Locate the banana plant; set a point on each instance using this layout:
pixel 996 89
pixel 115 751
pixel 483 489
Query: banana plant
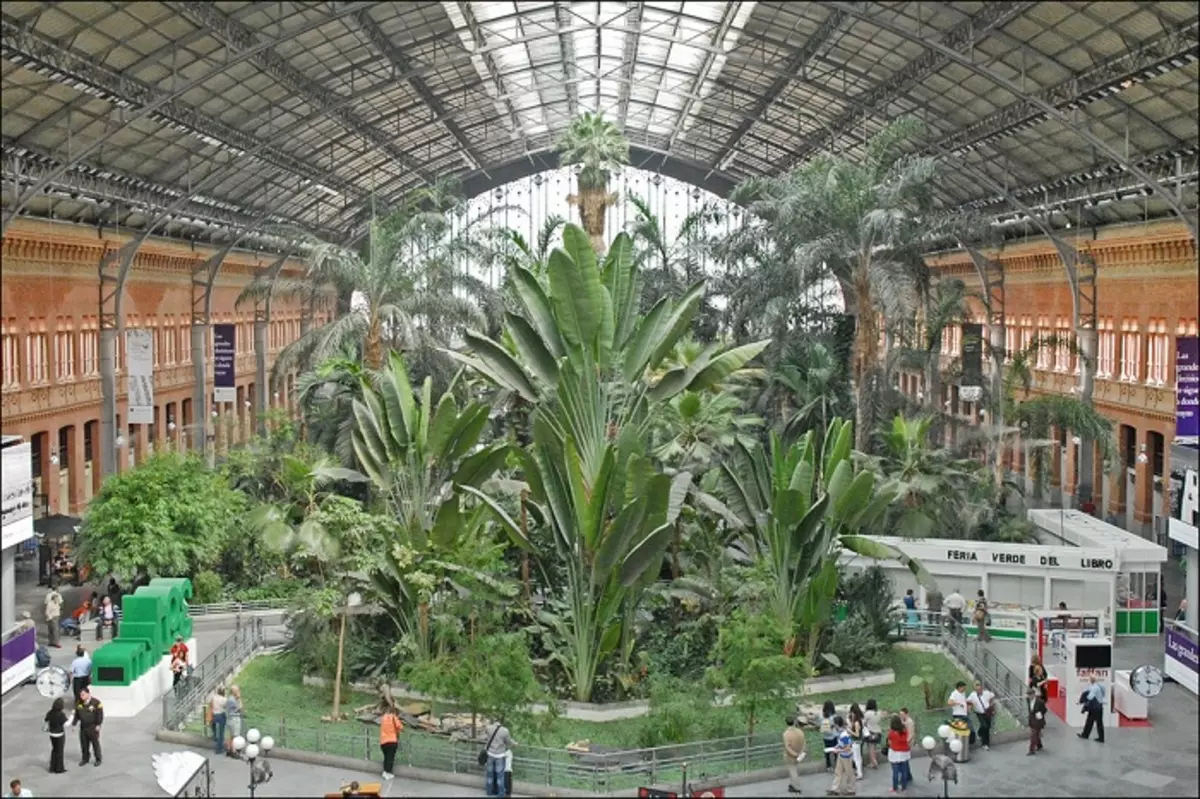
pixel 592 311
pixel 416 453
pixel 801 504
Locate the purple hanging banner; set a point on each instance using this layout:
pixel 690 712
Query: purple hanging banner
pixel 224 363
pixel 1187 390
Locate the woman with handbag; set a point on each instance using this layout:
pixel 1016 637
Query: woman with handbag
pixel 874 734
pixel 55 724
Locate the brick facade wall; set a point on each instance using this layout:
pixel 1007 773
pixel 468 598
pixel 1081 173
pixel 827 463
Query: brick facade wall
pixel 49 314
pixel 1147 294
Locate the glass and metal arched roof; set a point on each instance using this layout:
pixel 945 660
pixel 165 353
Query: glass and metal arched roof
pixel 202 118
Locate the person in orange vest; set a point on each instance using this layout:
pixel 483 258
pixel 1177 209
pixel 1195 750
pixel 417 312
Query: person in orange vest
pixel 390 727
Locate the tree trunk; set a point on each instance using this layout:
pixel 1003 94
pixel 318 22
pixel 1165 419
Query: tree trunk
pixel 593 203
pixel 373 348
pixel 866 358
pixel 525 584
pixel 337 679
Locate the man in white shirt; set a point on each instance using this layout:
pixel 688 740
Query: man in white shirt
pixel 959 707
pixel 1093 704
pixel 955 605
pixel 982 701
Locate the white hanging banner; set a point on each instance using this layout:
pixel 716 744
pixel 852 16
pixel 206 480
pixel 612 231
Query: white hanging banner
pixel 139 354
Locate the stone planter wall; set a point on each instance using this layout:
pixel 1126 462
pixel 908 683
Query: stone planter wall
pixel 616 711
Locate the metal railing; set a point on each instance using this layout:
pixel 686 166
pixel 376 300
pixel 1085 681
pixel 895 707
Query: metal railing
pixel 603 772
pixel 251 606
pixel 199 785
pixel 985 666
pixel 191 692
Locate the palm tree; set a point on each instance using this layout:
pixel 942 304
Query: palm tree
pixel 326 395
pixel 857 217
pixel 410 288
pixel 597 147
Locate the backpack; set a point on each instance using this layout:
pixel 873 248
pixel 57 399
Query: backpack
pixel 41 657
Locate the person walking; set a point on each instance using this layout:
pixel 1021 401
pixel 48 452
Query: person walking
pixel 899 754
pixel 858 735
pixel 843 774
pixel 874 733
pixel 390 727
pixel 828 733
pixel 1093 704
pixel 107 619
pixel 983 702
pixel 959 708
pixel 81 671
pixel 910 729
pixel 794 752
pixel 219 718
pixel 53 609
pixel 955 604
pixel 1037 720
pixel 910 605
pixel 89 715
pixel 234 715
pixel 1038 678
pixel 498 746
pixel 55 723
pixel 981 618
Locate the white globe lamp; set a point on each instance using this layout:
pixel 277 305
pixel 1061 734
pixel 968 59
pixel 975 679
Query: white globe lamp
pixel 943 731
pixel 267 743
pixel 238 743
pixel 253 735
pixel 928 743
pixel 956 745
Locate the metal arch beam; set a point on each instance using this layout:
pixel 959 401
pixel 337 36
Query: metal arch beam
pixel 480 40
pixel 566 49
pixel 1173 49
pixel 153 104
pixel 991 278
pixel 262 320
pixel 401 64
pixel 797 63
pixel 710 59
pixel 43 55
pixel 27 167
pixel 240 37
pixel 966 62
pixel 963 35
pixel 1081 276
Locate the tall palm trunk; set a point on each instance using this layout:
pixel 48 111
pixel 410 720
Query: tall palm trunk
pixel 866 355
pixel 373 347
pixel 593 204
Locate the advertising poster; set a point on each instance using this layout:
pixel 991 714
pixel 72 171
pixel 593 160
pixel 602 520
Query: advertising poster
pixel 224 363
pixel 16 514
pixel 972 354
pixel 139 352
pixel 1187 390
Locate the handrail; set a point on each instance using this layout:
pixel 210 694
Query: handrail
pixel 1008 687
pixel 249 606
pixel 182 700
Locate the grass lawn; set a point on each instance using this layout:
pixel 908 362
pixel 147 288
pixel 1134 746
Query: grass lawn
pixel 278 704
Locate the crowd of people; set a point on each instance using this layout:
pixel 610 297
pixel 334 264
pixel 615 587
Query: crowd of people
pixel 864 735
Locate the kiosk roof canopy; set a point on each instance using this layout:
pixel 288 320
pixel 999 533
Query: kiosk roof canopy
pixel 1085 530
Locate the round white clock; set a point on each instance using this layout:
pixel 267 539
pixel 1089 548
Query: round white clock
pixel 53 682
pixel 1146 680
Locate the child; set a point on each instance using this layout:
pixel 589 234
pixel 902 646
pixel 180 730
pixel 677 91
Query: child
pixel 843 775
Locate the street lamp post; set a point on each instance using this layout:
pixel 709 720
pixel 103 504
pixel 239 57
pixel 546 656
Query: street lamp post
pixel 250 747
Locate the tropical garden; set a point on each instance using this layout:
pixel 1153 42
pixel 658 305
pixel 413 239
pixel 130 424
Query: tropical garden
pixel 620 474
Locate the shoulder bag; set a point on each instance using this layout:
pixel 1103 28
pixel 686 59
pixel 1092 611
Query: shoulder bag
pixel 483 755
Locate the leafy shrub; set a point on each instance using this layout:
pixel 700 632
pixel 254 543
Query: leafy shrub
pixel 206 588
pixel 856 646
pixel 677 712
pixel 272 589
pixel 870 594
